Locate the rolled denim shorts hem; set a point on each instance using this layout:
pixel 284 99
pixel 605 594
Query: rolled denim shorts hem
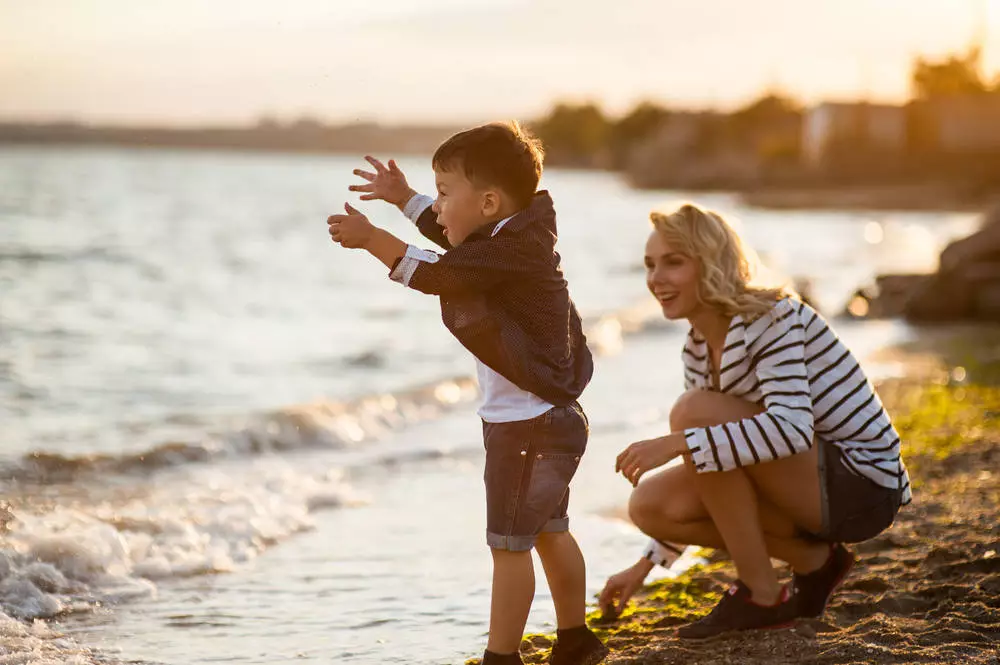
pixel 510 543
pixel 523 543
pixel 556 524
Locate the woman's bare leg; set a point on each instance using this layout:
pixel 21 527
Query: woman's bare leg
pixel 752 512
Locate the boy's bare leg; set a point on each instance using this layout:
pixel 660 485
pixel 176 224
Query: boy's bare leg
pixel 566 573
pixel 513 591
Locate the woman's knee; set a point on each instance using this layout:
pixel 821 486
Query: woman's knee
pixel 643 510
pixel 688 411
pixel 703 408
pixel 662 500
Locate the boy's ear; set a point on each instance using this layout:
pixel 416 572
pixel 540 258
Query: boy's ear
pixel 491 202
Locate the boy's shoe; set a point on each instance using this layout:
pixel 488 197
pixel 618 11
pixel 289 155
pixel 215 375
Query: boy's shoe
pixel 490 658
pixel 737 611
pixel 579 647
pixel 813 591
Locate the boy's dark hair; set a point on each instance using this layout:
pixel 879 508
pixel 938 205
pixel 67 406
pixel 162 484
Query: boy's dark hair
pixel 500 154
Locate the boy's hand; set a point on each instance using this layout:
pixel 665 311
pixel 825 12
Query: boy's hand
pixel 386 183
pixel 352 230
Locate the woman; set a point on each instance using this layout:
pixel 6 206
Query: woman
pixel 787 451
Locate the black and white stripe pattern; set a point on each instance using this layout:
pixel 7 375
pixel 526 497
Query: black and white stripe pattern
pixel 810 384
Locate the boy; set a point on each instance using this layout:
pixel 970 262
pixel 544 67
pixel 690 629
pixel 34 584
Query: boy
pixel 504 298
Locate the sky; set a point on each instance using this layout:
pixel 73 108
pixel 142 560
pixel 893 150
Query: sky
pixel 193 62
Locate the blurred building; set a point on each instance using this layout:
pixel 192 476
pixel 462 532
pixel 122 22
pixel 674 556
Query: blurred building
pixel 835 133
pixel 950 137
pixel 956 124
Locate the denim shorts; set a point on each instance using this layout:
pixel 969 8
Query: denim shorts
pixel 855 508
pixel 529 464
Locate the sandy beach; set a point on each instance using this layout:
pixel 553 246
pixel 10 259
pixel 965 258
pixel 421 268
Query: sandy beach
pixel 925 591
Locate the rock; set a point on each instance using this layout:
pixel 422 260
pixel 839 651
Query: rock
pixel 966 286
pixel 895 291
pixel 887 299
pixel 984 242
pixel 987 295
pixel 939 298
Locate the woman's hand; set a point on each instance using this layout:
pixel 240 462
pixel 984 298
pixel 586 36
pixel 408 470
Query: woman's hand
pixel 622 586
pixel 643 456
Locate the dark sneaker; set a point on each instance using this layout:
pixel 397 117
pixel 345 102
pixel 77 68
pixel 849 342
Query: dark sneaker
pixel 737 611
pixel 813 590
pixel 580 648
pixel 490 658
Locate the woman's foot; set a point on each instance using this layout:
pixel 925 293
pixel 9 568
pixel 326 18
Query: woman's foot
pixel 738 611
pixel 813 590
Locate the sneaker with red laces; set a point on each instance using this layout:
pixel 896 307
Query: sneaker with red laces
pixel 738 611
pixel 813 590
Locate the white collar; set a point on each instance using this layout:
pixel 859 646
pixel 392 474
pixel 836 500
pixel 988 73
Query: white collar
pixel 496 229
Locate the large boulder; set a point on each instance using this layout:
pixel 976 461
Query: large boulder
pixel 941 297
pixel 967 284
pixel 887 298
pixel 984 245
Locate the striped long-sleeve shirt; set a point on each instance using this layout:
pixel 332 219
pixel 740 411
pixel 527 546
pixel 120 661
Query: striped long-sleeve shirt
pixel 811 386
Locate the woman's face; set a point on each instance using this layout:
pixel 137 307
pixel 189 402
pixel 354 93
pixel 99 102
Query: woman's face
pixel 672 277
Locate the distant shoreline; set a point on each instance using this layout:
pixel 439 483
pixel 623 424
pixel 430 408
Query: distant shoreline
pixel 909 197
pixel 404 141
pixel 300 137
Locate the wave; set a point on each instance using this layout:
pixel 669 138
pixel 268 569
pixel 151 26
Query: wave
pixel 328 425
pixel 319 425
pixel 61 255
pixel 39 644
pixel 110 545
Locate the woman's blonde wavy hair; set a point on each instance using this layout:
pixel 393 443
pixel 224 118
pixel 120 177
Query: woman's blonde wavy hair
pixel 727 267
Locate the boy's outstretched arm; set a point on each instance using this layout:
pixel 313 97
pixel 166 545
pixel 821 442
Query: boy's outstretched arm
pixel 469 268
pixel 354 231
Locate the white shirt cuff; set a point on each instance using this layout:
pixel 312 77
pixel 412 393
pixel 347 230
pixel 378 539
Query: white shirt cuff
pixel 416 206
pixel 403 272
pixel 660 555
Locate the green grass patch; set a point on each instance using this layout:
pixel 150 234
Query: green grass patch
pixel 935 420
pixel 660 603
pixel 677 598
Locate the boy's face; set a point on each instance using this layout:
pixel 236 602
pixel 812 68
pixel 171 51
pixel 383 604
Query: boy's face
pixel 461 206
